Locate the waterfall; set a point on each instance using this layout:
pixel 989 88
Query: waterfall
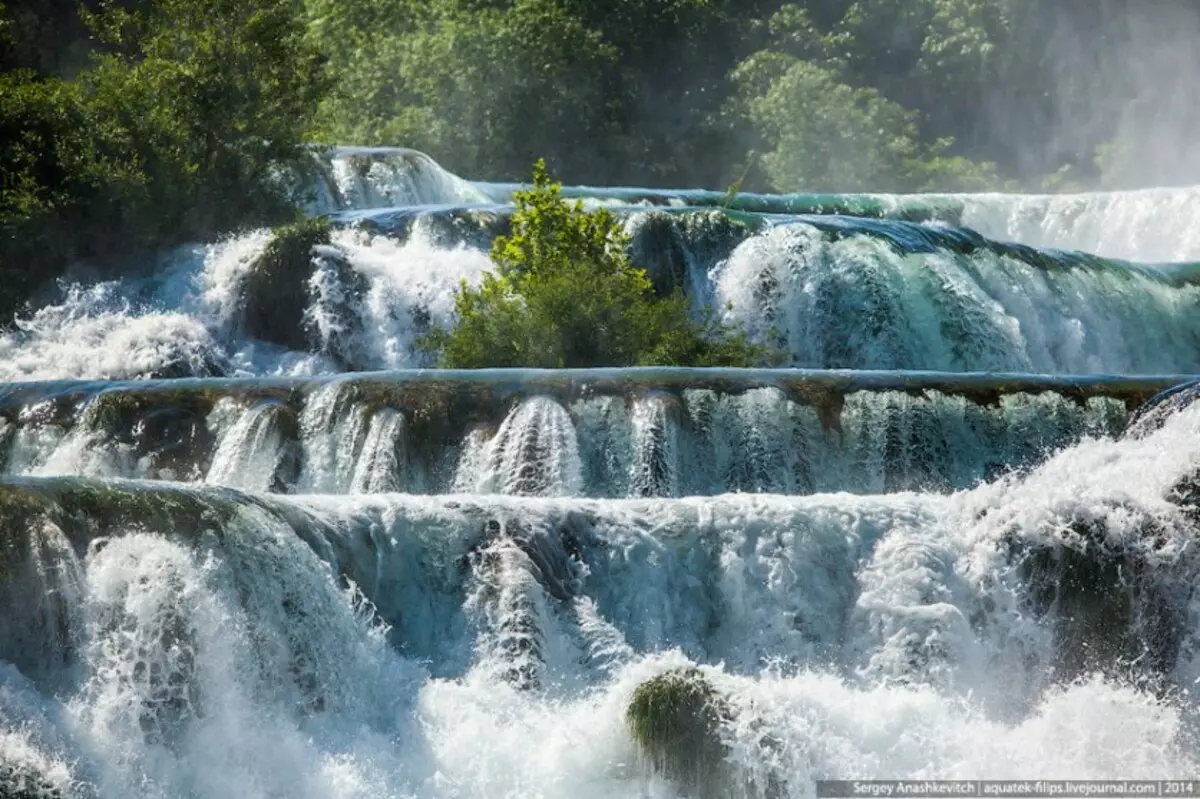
pixel 382 466
pixel 942 542
pixel 984 283
pixel 856 303
pixel 205 623
pixel 534 453
pixel 257 453
pixel 332 428
pixel 655 468
pixel 385 177
pixel 640 435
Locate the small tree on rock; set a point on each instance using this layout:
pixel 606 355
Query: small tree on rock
pixel 565 294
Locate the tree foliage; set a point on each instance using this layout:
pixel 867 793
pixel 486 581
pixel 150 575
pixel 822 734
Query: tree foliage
pixel 180 128
pixel 565 294
pixel 821 135
pixel 984 92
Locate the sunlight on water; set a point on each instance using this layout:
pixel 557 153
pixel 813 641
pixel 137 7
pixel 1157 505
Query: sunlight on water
pixel 362 587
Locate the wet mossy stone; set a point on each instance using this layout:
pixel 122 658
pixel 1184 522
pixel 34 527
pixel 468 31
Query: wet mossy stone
pixel 86 509
pixel 210 364
pixel 169 428
pixel 714 235
pixel 1113 611
pixel 275 292
pixel 19 511
pixel 8 431
pixel 657 245
pixel 675 721
pixel 291 461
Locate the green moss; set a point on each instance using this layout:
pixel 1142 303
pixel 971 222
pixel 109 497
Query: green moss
pixel 17 511
pixel 674 719
pixel 275 293
pixel 113 412
pixel 86 509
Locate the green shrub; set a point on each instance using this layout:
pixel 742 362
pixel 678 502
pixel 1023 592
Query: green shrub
pixel 674 720
pixel 565 294
pixel 180 130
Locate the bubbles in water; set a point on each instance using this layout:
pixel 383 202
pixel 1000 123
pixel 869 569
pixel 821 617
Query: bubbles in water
pixel 259 451
pixel 534 453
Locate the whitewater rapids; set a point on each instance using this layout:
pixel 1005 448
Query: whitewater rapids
pixel 218 653
pixel 272 578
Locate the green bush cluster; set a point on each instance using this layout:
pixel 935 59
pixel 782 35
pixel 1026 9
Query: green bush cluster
pixel 184 125
pixel 565 294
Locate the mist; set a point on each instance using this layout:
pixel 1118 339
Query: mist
pixel 1118 102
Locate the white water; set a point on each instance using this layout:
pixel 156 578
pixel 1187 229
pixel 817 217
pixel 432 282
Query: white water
pixel 1150 225
pixel 252 449
pixel 534 453
pixel 386 177
pixel 382 466
pixel 865 637
pixel 852 302
pixel 856 304
pixel 192 641
pixel 184 318
pixel 698 443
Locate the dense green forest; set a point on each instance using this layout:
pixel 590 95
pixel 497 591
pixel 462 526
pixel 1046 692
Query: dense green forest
pixel 136 124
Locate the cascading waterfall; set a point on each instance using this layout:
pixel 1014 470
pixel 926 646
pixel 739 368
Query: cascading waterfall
pixel 835 290
pixel 258 451
pixel 385 177
pixel 382 467
pixel 276 577
pixel 333 428
pixel 371 434
pixel 855 303
pixel 224 618
pixel 534 453
pixel 1146 225
pixel 655 468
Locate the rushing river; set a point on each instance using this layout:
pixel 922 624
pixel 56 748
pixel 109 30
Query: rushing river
pixel 268 553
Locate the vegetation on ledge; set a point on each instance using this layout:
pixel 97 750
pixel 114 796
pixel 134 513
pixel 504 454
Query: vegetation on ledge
pixel 178 126
pixel 674 720
pixel 565 294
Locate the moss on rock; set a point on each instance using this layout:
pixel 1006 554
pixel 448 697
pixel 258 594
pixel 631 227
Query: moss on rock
pixel 674 719
pixel 275 293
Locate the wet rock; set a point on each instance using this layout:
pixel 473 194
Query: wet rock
pixel 675 721
pixel 275 292
pixel 658 247
pixel 1155 412
pixel 1112 608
